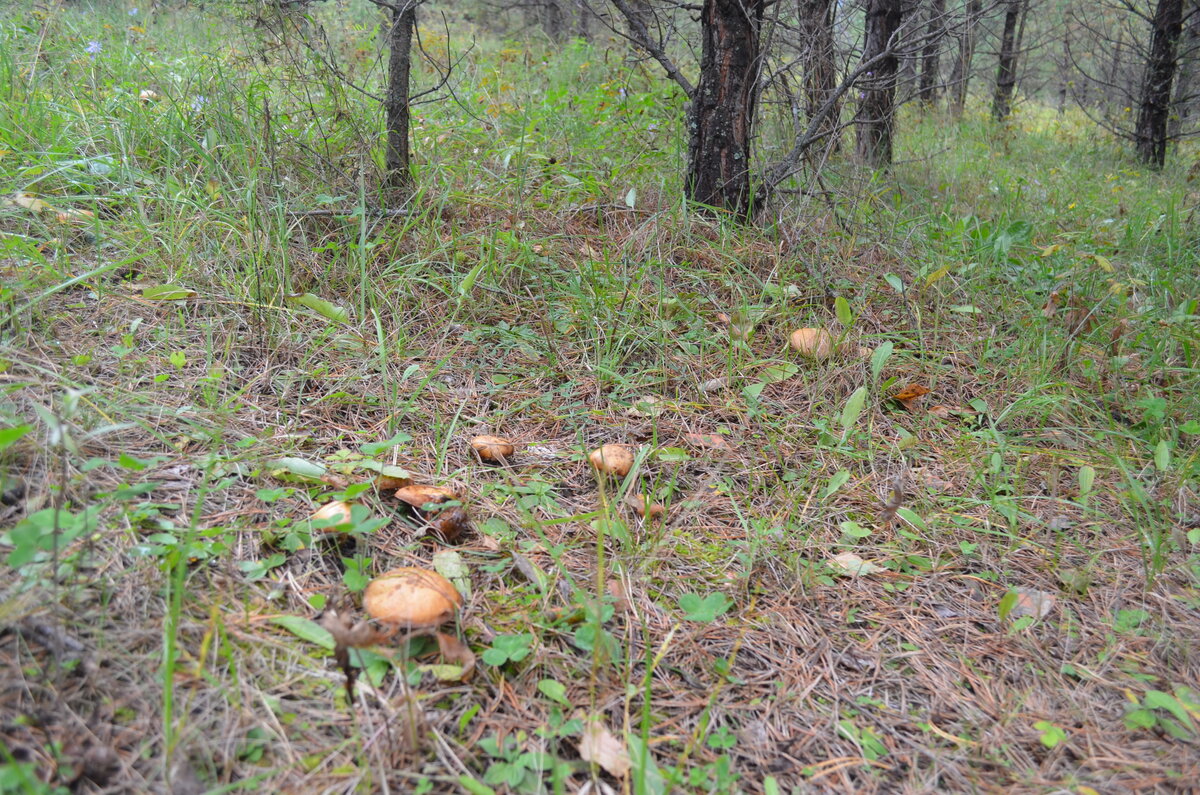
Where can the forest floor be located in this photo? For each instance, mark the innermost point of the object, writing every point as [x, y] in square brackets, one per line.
[961, 554]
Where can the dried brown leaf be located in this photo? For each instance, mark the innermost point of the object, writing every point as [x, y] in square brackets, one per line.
[455, 652]
[599, 745]
[706, 440]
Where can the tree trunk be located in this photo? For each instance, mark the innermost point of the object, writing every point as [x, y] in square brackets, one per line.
[1184, 101]
[1006, 74]
[931, 55]
[876, 103]
[1150, 135]
[960, 76]
[1064, 67]
[398, 181]
[1113, 90]
[820, 70]
[721, 116]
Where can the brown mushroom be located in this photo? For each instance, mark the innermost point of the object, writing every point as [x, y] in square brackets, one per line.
[612, 459]
[418, 495]
[814, 343]
[493, 449]
[411, 598]
[337, 512]
[649, 510]
[446, 523]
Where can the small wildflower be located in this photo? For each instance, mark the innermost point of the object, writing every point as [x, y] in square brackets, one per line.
[93, 48]
[198, 103]
[133, 12]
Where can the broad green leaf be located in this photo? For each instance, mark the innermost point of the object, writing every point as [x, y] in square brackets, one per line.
[474, 786]
[8, 436]
[450, 564]
[752, 391]
[704, 609]
[298, 466]
[554, 690]
[631, 198]
[1007, 603]
[836, 482]
[375, 448]
[879, 359]
[468, 283]
[966, 309]
[1162, 455]
[896, 283]
[855, 530]
[781, 371]
[672, 455]
[306, 629]
[387, 470]
[322, 307]
[1087, 478]
[910, 516]
[1157, 699]
[841, 308]
[852, 410]
[167, 292]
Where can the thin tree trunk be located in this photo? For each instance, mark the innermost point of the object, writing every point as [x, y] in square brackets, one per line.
[876, 104]
[398, 180]
[1006, 74]
[931, 55]
[1064, 71]
[960, 77]
[1150, 134]
[721, 116]
[1112, 90]
[820, 70]
[1184, 101]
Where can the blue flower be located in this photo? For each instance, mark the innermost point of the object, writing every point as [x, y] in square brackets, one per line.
[133, 11]
[93, 48]
[198, 103]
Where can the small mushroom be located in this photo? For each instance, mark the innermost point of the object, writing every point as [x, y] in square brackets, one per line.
[644, 509]
[814, 343]
[446, 523]
[146, 95]
[418, 495]
[411, 598]
[612, 459]
[492, 449]
[333, 514]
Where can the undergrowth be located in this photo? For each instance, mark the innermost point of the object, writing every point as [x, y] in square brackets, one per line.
[207, 331]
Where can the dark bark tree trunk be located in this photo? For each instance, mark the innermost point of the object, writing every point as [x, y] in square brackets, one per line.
[552, 19]
[1184, 101]
[1006, 74]
[1064, 68]
[398, 181]
[931, 55]
[1150, 134]
[876, 104]
[960, 76]
[820, 70]
[721, 116]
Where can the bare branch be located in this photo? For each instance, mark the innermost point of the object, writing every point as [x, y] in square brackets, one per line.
[641, 37]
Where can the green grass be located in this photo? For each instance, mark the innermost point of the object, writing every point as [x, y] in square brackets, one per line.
[1032, 277]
